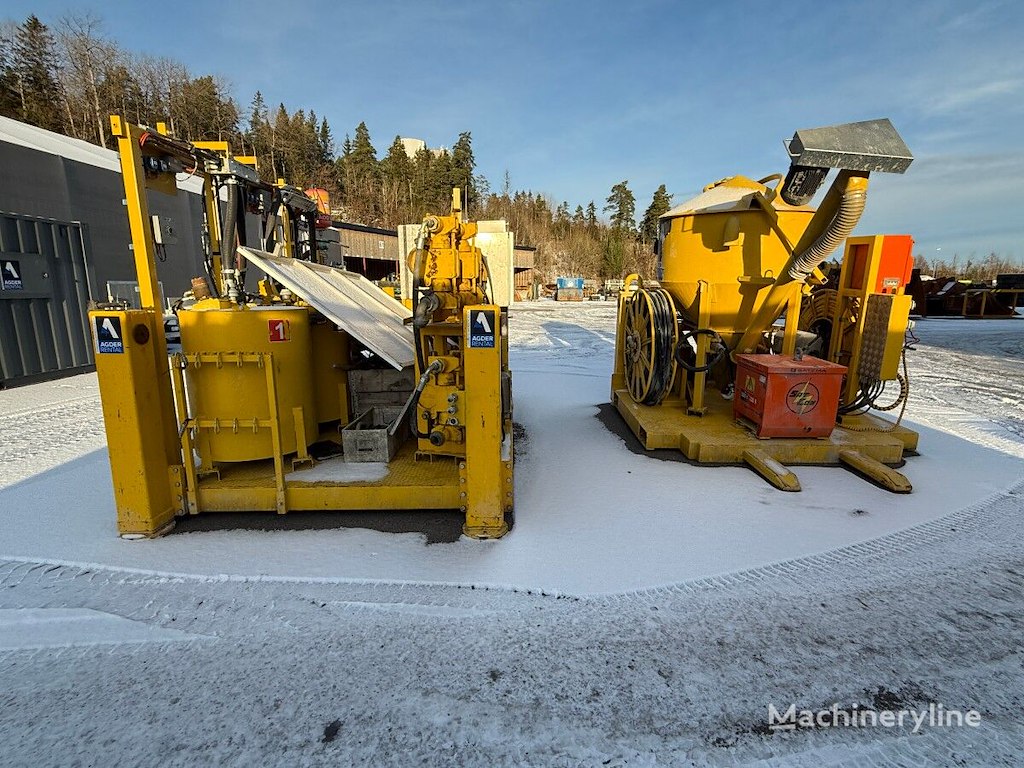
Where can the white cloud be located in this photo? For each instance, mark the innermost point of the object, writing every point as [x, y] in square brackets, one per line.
[972, 95]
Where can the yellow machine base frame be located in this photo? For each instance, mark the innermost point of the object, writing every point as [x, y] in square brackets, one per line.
[716, 438]
[409, 484]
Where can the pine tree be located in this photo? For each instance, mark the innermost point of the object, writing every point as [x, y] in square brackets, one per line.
[362, 157]
[35, 70]
[562, 220]
[119, 92]
[396, 184]
[621, 204]
[203, 111]
[591, 216]
[462, 166]
[360, 177]
[9, 100]
[280, 140]
[660, 203]
[326, 142]
[257, 115]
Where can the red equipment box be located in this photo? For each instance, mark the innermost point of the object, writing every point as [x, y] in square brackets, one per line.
[787, 397]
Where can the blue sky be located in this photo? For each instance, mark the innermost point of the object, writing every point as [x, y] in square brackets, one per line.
[572, 97]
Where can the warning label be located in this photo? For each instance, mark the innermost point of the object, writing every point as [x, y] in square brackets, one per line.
[279, 330]
[108, 335]
[10, 274]
[802, 398]
[481, 331]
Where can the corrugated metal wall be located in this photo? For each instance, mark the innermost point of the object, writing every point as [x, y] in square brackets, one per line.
[368, 245]
[40, 184]
[44, 298]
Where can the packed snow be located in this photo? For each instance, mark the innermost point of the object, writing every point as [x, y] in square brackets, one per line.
[626, 521]
[642, 611]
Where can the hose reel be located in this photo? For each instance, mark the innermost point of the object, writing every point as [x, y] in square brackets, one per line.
[651, 337]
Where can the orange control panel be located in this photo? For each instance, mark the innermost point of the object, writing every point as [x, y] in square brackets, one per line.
[895, 264]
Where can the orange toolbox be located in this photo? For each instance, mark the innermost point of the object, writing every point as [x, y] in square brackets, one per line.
[787, 396]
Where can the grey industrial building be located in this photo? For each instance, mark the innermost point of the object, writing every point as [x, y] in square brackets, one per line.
[64, 231]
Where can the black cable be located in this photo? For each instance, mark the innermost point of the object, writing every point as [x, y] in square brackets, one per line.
[683, 345]
[866, 397]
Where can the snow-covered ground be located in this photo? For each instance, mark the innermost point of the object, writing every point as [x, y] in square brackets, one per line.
[642, 611]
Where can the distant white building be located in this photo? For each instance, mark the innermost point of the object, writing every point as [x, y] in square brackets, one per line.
[412, 146]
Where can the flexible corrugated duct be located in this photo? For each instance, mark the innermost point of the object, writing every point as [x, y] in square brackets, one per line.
[850, 209]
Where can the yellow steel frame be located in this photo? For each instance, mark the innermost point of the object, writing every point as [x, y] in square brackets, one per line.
[486, 471]
[145, 462]
[135, 384]
[704, 430]
[149, 428]
[716, 439]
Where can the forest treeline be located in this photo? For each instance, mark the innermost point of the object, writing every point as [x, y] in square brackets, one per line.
[972, 268]
[69, 77]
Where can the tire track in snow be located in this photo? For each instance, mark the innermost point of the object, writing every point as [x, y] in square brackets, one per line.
[42, 438]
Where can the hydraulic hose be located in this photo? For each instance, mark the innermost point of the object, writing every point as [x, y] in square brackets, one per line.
[435, 367]
[713, 360]
[428, 304]
[430, 225]
[662, 350]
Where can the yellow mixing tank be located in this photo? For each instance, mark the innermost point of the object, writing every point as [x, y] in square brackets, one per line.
[724, 239]
[236, 394]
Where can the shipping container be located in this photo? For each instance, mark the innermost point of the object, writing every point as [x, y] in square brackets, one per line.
[569, 282]
[46, 286]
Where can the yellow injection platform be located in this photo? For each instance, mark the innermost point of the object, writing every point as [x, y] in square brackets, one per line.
[236, 420]
[733, 262]
[717, 439]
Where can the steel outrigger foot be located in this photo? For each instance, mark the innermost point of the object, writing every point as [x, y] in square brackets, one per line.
[771, 470]
[485, 531]
[887, 477]
[159, 532]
